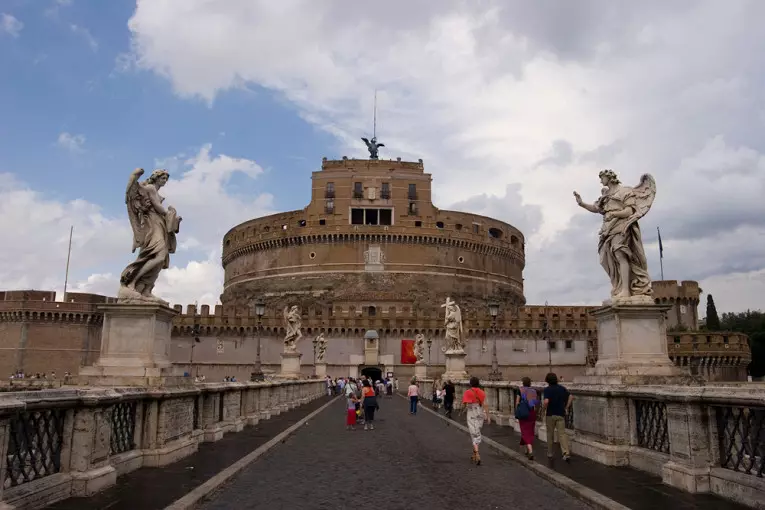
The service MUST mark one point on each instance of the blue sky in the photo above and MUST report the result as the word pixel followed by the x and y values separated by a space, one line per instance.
pixel 510 112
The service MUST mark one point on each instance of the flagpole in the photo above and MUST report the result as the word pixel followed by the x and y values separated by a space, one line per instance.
pixel 68 256
pixel 661 254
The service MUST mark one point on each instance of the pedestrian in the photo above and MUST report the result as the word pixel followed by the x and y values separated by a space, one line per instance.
pixel 449 392
pixel 474 400
pixel 388 388
pixel 395 383
pixel 370 404
pixel 413 393
pixel 350 411
pixel 526 412
pixel 557 401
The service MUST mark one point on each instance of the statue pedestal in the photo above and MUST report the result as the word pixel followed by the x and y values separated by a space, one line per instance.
pixel 135 348
pixel 290 365
pixel 420 371
pixel 632 346
pixel 455 366
pixel 321 369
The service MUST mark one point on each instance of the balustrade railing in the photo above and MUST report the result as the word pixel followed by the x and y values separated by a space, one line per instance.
pixel 123 427
pixel 34 446
pixel 651 422
pixel 741 437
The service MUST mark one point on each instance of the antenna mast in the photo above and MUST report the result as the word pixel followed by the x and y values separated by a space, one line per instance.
pixel 68 256
pixel 374 125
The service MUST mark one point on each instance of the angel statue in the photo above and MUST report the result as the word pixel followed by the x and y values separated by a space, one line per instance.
pixel 292 322
pixel 321 348
pixel 419 347
pixel 372 147
pixel 453 325
pixel 154 229
pixel 620 245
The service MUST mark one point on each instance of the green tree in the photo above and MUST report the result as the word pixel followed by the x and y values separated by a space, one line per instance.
pixel 713 321
pixel 753 324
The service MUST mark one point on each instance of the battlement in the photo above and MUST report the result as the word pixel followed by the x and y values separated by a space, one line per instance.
pixel 671 289
pixel 375 165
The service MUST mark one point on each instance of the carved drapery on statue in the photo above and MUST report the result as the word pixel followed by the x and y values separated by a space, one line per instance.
pixel 419 347
pixel 292 323
pixel 620 244
pixel 154 230
pixel 453 323
pixel 321 348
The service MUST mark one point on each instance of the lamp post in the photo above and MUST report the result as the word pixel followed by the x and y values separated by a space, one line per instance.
pixel 195 330
pixel 430 343
pixel 260 310
pixel 315 343
pixel 495 374
pixel 546 335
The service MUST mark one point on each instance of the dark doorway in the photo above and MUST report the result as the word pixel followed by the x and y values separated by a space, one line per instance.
pixel 374 373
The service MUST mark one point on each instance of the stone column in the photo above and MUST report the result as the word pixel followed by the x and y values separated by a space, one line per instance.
pixel 264 406
pixel 690 449
pixel 89 458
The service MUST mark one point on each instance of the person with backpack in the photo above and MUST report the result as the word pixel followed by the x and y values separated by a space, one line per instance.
pixel 474 400
pixel 526 413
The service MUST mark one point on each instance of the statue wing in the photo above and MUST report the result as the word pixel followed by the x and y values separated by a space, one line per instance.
pixel 381 145
pixel 641 198
pixel 365 141
pixel 137 206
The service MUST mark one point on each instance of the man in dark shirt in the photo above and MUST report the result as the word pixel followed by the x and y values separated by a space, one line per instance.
pixel 557 400
pixel 449 391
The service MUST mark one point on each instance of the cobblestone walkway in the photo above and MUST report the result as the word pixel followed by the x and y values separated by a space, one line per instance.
pixel 406 462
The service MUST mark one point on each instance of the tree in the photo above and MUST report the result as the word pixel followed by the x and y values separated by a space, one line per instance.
pixel 753 324
pixel 713 321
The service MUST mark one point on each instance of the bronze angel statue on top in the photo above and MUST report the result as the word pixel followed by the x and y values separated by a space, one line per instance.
pixel 372 147
pixel 621 245
pixel 154 229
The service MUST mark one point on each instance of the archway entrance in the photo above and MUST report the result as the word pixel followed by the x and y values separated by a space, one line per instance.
pixel 374 373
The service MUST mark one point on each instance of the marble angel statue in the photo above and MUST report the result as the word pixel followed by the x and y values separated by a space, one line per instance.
pixel 154 230
pixel 419 348
pixel 321 348
pixel 453 325
pixel 292 322
pixel 621 246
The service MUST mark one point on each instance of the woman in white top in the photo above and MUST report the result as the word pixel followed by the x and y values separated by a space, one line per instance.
pixel 414 394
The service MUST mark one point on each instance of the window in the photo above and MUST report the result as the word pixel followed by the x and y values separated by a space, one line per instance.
pixel 301 223
pixel 330 191
pixel 412 208
pixel 385 192
pixel 322 221
pixel 330 207
pixel 412 192
pixel 386 216
pixel 358 190
pixel 417 223
pixel 476 228
pixel 372 311
pixel 552 345
pixel 569 344
pixel 495 233
pixel 458 226
pixel 440 224
pixel 357 216
pixel 370 216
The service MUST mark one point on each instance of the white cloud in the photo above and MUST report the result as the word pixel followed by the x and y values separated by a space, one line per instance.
pixel 10 25
pixel 535 96
pixel 70 142
pixel 39 227
pixel 85 34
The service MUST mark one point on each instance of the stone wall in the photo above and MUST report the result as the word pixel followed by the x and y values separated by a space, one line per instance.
pixel 97 435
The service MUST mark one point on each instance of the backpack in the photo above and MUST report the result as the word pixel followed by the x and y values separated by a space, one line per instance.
pixel 523 409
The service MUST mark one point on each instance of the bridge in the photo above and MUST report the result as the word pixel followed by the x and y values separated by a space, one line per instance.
pixel 284 445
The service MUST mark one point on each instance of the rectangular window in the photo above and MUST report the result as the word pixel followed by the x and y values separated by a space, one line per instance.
pixel 370 217
pixel 385 192
pixel 358 190
pixel 476 228
pixel 386 217
pixel 357 216
pixel 413 208
pixel 569 344
pixel 330 191
pixel 412 192
pixel 552 345
pixel 330 207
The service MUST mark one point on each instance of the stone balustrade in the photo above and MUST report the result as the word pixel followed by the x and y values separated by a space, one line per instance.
pixel 59 443
pixel 702 438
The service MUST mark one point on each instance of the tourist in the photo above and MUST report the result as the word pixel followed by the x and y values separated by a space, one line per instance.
pixel 557 400
pixel 477 414
pixel 527 415
pixel 350 411
pixel 449 392
pixel 370 404
pixel 395 384
pixel 328 383
pixel 388 388
pixel 413 393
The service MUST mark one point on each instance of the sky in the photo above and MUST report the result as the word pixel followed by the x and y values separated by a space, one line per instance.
pixel 511 104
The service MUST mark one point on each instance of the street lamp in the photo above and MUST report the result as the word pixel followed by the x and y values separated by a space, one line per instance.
pixel 315 344
pixel 546 335
pixel 495 374
pixel 260 310
pixel 195 330
pixel 430 343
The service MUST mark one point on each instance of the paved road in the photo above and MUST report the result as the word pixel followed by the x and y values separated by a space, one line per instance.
pixel 406 462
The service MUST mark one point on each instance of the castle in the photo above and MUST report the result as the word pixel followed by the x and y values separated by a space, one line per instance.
pixel 369 262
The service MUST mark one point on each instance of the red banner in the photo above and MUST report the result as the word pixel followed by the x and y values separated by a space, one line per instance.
pixel 407 352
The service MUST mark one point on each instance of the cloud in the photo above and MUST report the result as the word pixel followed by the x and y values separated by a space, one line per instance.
pixel 10 25
pixel 70 142
pixel 199 189
pixel 484 92
pixel 85 34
